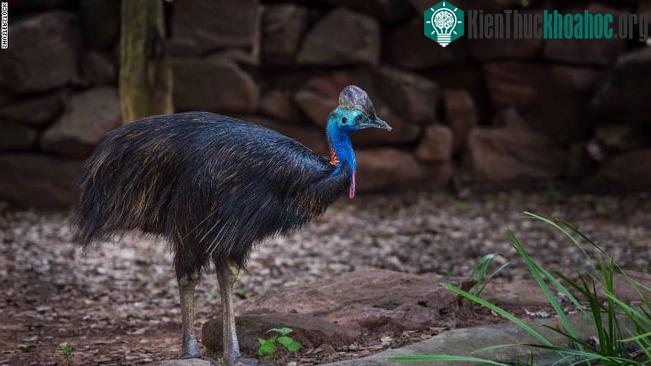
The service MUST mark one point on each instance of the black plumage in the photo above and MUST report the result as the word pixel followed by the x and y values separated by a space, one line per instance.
pixel 213 185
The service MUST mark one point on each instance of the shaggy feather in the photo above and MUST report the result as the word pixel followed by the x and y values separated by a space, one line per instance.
pixel 212 185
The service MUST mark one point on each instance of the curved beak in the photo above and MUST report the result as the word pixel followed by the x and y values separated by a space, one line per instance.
pixel 377 123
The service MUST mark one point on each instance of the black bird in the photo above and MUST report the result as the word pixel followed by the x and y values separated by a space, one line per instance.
pixel 213 186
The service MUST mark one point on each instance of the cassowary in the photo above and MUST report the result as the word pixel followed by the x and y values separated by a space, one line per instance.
pixel 214 186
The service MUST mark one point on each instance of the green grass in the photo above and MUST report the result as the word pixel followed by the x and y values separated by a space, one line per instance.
pixel 67 350
pixel 480 273
pixel 592 294
pixel 280 339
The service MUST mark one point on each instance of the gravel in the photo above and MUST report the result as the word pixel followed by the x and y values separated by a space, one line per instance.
pixel 118 301
pixel 426 233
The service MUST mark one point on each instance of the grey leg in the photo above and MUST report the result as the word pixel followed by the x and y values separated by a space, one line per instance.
pixel 227 275
pixel 187 284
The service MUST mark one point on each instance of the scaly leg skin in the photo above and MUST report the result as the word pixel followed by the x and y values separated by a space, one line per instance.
pixel 227 275
pixel 187 284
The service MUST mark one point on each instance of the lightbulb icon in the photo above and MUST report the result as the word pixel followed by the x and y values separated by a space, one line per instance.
pixel 443 22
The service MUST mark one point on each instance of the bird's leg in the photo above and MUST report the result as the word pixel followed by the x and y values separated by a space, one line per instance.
pixel 227 275
pixel 187 284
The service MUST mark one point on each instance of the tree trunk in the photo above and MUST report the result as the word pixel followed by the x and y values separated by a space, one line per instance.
pixel 145 73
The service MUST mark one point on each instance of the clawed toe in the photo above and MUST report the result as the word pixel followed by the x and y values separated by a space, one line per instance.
pixel 186 355
pixel 190 348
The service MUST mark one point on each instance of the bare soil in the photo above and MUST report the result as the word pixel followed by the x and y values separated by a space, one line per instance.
pixel 117 303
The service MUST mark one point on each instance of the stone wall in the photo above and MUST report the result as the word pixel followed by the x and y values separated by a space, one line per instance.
pixel 475 114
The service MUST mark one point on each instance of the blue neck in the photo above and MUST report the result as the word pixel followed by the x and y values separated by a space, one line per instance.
pixel 342 146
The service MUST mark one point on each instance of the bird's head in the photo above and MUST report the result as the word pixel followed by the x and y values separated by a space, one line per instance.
pixel 355 112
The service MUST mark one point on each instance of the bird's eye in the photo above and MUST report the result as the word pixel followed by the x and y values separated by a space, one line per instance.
pixel 344 120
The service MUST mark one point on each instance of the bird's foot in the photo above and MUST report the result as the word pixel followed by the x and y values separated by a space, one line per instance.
pixel 243 361
pixel 185 355
pixel 191 349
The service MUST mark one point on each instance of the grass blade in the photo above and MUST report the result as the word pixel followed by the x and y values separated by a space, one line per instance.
pixel 559 227
pixel 445 358
pixel 534 268
pixel 503 313
pixel 637 337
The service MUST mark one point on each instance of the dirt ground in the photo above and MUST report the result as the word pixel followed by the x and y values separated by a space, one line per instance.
pixel 117 303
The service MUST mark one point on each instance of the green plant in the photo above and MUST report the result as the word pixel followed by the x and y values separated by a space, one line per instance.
pixel 67 350
pixel 269 347
pixel 599 302
pixel 480 270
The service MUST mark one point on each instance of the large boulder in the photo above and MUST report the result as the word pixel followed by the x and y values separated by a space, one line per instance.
pixel 308 330
pixel 436 145
pixel 42 54
pixel 402 132
pixel 532 88
pixel 342 37
pixel 213 84
pixel 200 26
pixel 622 137
pixel 581 161
pixel 308 136
pixel 597 52
pixel 437 176
pixel 90 115
pixel 644 9
pixel 98 69
pixel 486 50
pixel 414 96
pixel 318 97
pixel 280 105
pixel 16 136
pixel 511 155
pixel 460 115
pixel 30 180
pixel 407 47
pixel 485 5
pixel 283 26
pixel 388 10
pixel 624 172
pixel 470 78
pixel 386 169
pixel 36 111
pixel 360 301
pixel 624 97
